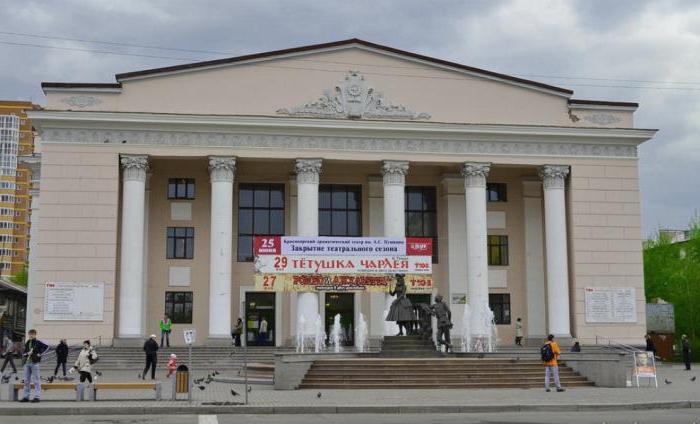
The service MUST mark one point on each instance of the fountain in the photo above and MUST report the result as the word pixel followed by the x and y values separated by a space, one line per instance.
pixel 319 335
pixel 361 334
pixel 479 332
pixel 335 334
pixel 310 334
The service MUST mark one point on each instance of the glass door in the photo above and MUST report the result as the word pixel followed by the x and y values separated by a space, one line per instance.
pixel 343 304
pixel 260 316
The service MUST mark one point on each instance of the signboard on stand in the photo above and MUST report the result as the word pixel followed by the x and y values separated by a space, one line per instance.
pixel 70 301
pixel 190 336
pixel 645 366
pixel 610 305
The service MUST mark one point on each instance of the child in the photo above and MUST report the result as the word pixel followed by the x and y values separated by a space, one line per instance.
pixel 172 364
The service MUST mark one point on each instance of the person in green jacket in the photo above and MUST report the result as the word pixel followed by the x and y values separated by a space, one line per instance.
pixel 165 329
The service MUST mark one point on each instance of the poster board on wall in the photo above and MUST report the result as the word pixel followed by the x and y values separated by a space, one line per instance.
pixel 73 301
pixel 611 305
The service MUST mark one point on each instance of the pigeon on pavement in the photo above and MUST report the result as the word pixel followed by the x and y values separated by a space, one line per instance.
pixel 667 381
pixel 201 387
pixel 250 389
pixel 234 393
pixel 693 379
pixel 318 395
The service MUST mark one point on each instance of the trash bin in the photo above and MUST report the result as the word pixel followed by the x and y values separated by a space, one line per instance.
pixel 181 383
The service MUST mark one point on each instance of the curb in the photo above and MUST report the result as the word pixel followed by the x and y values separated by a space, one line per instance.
pixel 268 410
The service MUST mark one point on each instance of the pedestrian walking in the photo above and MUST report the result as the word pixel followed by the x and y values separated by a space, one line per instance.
pixel 550 354
pixel 236 332
pixel 519 332
pixel 86 359
pixel 165 328
pixel 650 344
pixel 33 349
pixel 61 357
pixel 151 349
pixel 172 365
pixel 685 346
pixel 262 331
pixel 11 350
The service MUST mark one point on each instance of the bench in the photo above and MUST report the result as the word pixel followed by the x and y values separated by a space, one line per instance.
pixel 93 388
pixel 14 389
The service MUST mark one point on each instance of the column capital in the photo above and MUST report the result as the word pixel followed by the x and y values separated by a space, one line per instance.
pixel 394 172
pixel 475 173
pixel 553 176
pixel 134 167
pixel 308 171
pixel 222 168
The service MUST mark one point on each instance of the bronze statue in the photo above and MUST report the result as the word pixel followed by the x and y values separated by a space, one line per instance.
pixel 401 309
pixel 444 321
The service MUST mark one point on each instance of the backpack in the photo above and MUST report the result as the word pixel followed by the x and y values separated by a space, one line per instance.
pixel 92 359
pixel 546 352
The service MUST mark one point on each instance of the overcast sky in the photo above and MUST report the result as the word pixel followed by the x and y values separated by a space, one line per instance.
pixel 601 49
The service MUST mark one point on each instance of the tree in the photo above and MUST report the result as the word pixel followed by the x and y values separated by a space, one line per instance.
pixel 21 278
pixel 672 272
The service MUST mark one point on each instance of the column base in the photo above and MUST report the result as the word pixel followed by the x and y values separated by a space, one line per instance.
pixel 218 341
pixel 129 341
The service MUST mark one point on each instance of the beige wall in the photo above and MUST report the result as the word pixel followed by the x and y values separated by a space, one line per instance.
pixel 263 88
pixel 79 222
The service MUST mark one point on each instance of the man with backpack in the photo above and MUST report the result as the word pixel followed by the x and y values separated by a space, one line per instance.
pixel 550 353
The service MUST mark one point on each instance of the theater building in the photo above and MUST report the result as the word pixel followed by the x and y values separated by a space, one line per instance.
pixel 153 187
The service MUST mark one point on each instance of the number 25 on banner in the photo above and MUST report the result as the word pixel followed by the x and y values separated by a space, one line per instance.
pixel 267 245
pixel 268 282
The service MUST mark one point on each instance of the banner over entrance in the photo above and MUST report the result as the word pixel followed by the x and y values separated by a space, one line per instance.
pixel 342 264
pixel 342 246
pixel 368 283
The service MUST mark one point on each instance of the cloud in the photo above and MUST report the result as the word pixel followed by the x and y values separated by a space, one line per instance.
pixel 654 40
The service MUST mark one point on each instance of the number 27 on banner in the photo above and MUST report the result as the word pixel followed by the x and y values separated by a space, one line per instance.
pixel 268 282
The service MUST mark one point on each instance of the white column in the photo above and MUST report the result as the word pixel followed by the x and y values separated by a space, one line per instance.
pixel 32 284
pixel 308 176
pixel 221 171
pixel 536 324
pixel 375 212
pixel 453 245
pixel 474 174
pixel 134 168
pixel 553 180
pixel 394 179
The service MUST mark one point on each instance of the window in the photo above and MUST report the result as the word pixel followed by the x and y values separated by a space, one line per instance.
pixel 180 243
pixel 340 210
pixel 496 192
pixel 178 307
pixel 260 213
pixel 498 250
pixel 500 305
pixel 181 188
pixel 421 214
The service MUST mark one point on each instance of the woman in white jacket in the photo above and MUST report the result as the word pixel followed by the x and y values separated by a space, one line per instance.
pixel 86 358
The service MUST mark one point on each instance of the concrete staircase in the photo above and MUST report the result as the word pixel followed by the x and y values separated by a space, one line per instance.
pixel 204 358
pixel 432 373
pixel 408 347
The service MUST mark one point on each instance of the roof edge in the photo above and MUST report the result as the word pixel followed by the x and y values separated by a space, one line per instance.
pixel 231 60
pixel 602 103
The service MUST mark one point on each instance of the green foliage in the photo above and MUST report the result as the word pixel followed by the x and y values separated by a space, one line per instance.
pixel 21 278
pixel 672 273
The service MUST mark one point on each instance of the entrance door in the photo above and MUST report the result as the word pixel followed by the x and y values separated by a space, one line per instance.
pixel 343 304
pixel 416 300
pixel 259 308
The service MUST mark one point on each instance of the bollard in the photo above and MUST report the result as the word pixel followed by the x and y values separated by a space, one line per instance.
pixel 181 383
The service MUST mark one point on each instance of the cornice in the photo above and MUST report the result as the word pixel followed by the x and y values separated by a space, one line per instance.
pixel 320 134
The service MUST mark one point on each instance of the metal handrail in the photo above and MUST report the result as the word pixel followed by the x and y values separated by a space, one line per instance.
pixel 615 344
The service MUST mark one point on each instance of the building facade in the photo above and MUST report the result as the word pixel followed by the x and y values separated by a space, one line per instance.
pixel 154 187
pixel 17 140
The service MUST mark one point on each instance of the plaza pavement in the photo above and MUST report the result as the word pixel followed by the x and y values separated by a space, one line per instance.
pixel 217 399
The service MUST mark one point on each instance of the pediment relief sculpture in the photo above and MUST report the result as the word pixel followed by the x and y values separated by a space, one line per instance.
pixel 353 99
